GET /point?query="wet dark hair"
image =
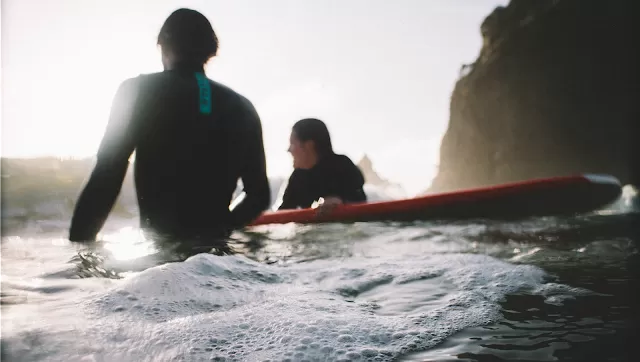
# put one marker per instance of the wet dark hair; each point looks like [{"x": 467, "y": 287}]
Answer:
[
  {"x": 189, "y": 36},
  {"x": 312, "y": 129}
]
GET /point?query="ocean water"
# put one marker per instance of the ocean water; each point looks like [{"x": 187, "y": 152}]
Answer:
[{"x": 542, "y": 289}]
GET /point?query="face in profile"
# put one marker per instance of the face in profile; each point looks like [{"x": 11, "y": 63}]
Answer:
[{"x": 303, "y": 152}]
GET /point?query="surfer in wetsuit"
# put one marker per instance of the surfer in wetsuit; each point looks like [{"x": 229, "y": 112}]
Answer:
[
  {"x": 193, "y": 139},
  {"x": 318, "y": 171}
]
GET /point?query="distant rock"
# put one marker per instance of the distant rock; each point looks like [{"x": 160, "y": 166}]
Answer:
[
  {"x": 378, "y": 188},
  {"x": 552, "y": 92},
  {"x": 370, "y": 175}
]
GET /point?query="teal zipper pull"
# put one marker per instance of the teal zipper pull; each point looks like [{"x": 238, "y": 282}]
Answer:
[{"x": 205, "y": 93}]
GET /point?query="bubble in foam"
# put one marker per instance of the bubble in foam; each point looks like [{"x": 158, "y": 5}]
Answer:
[
  {"x": 306, "y": 340},
  {"x": 353, "y": 355},
  {"x": 367, "y": 352}
]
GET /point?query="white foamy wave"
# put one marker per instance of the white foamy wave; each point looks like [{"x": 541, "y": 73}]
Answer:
[
  {"x": 556, "y": 294},
  {"x": 231, "y": 308},
  {"x": 628, "y": 202}
]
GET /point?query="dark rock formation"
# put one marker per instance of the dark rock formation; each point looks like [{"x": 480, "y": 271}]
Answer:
[{"x": 553, "y": 92}]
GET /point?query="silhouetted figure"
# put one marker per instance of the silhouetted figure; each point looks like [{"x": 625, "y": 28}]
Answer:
[
  {"x": 193, "y": 139},
  {"x": 319, "y": 172}
]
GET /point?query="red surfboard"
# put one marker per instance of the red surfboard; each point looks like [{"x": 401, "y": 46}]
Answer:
[{"x": 538, "y": 197}]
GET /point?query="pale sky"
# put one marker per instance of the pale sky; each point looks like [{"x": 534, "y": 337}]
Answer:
[{"x": 378, "y": 72}]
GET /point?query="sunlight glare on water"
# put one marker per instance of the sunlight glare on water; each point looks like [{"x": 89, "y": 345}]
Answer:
[{"x": 128, "y": 243}]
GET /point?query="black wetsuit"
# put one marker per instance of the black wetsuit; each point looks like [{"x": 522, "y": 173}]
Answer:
[
  {"x": 193, "y": 139},
  {"x": 333, "y": 175}
]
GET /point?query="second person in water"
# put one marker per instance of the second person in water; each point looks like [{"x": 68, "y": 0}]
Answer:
[{"x": 318, "y": 171}]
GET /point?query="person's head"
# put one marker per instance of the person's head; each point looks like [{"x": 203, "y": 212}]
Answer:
[
  {"x": 187, "y": 36},
  {"x": 309, "y": 142}
]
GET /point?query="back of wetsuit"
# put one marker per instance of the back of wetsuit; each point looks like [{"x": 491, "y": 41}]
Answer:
[{"x": 193, "y": 138}]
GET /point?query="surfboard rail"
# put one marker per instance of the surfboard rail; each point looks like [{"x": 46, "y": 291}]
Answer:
[{"x": 535, "y": 197}]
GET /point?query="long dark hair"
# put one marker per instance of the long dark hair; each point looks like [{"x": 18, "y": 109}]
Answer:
[
  {"x": 312, "y": 129},
  {"x": 189, "y": 36}
]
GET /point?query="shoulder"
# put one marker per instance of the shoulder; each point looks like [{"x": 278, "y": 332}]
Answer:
[
  {"x": 139, "y": 84},
  {"x": 298, "y": 178},
  {"x": 295, "y": 176},
  {"x": 143, "y": 79},
  {"x": 235, "y": 102},
  {"x": 346, "y": 166},
  {"x": 292, "y": 184},
  {"x": 129, "y": 85},
  {"x": 343, "y": 160},
  {"x": 231, "y": 95},
  {"x": 127, "y": 95},
  {"x": 223, "y": 91}
]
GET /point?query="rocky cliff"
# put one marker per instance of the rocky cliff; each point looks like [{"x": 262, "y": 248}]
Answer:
[{"x": 552, "y": 92}]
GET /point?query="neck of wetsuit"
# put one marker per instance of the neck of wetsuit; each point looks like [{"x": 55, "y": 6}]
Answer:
[{"x": 186, "y": 66}]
